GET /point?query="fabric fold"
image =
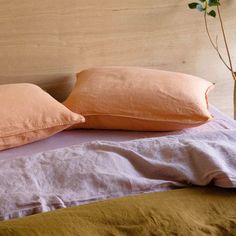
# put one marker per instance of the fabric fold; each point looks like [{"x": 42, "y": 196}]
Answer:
[{"x": 100, "y": 170}]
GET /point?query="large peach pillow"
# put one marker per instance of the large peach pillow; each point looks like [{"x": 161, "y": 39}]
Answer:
[
  {"x": 131, "y": 98},
  {"x": 29, "y": 114}
]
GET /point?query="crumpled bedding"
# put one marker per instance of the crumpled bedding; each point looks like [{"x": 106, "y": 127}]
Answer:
[
  {"x": 191, "y": 211},
  {"x": 101, "y": 169}
]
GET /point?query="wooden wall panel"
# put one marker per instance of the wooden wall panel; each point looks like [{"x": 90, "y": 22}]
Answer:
[{"x": 47, "y": 41}]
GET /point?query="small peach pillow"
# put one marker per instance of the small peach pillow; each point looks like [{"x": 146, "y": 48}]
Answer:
[
  {"x": 131, "y": 98},
  {"x": 29, "y": 114}
]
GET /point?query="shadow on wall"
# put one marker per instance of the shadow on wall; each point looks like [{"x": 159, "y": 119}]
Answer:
[{"x": 57, "y": 85}]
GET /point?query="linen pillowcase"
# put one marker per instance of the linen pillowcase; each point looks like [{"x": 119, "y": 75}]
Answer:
[
  {"x": 130, "y": 98},
  {"x": 29, "y": 114}
]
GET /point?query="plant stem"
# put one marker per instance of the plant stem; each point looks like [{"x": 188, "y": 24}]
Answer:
[
  {"x": 234, "y": 98},
  {"x": 212, "y": 43},
  {"x": 226, "y": 44}
]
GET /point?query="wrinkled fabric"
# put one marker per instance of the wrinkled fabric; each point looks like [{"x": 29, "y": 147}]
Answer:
[
  {"x": 100, "y": 170},
  {"x": 191, "y": 211}
]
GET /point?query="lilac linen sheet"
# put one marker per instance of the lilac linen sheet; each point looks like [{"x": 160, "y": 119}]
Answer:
[
  {"x": 74, "y": 137},
  {"x": 103, "y": 169}
]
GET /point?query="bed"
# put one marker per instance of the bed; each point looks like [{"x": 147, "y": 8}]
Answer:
[
  {"x": 107, "y": 182},
  {"x": 148, "y": 193}
]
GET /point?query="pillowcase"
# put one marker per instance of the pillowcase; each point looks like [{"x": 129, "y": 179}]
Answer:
[
  {"x": 130, "y": 98},
  {"x": 29, "y": 114}
]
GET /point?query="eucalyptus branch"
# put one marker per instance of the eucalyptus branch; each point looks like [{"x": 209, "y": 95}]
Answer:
[
  {"x": 226, "y": 43},
  {"x": 203, "y": 6},
  {"x": 212, "y": 43},
  {"x": 217, "y": 42}
]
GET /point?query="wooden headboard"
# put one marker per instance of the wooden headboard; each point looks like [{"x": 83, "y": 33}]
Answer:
[{"x": 46, "y": 42}]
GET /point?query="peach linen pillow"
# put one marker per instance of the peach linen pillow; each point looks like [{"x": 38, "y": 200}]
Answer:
[
  {"x": 29, "y": 114},
  {"x": 130, "y": 98}
]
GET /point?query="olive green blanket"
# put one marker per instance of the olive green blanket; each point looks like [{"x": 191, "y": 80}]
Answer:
[{"x": 192, "y": 211}]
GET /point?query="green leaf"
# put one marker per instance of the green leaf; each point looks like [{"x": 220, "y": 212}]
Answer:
[
  {"x": 212, "y": 13},
  {"x": 213, "y": 3},
  {"x": 193, "y": 5}
]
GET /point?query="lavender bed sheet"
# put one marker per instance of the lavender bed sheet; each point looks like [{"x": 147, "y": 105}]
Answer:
[
  {"x": 74, "y": 137},
  {"x": 99, "y": 170}
]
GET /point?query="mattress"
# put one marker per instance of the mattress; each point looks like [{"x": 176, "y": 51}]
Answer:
[{"x": 75, "y": 137}]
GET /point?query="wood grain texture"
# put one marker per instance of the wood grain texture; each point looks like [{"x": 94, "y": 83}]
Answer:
[{"x": 46, "y": 42}]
